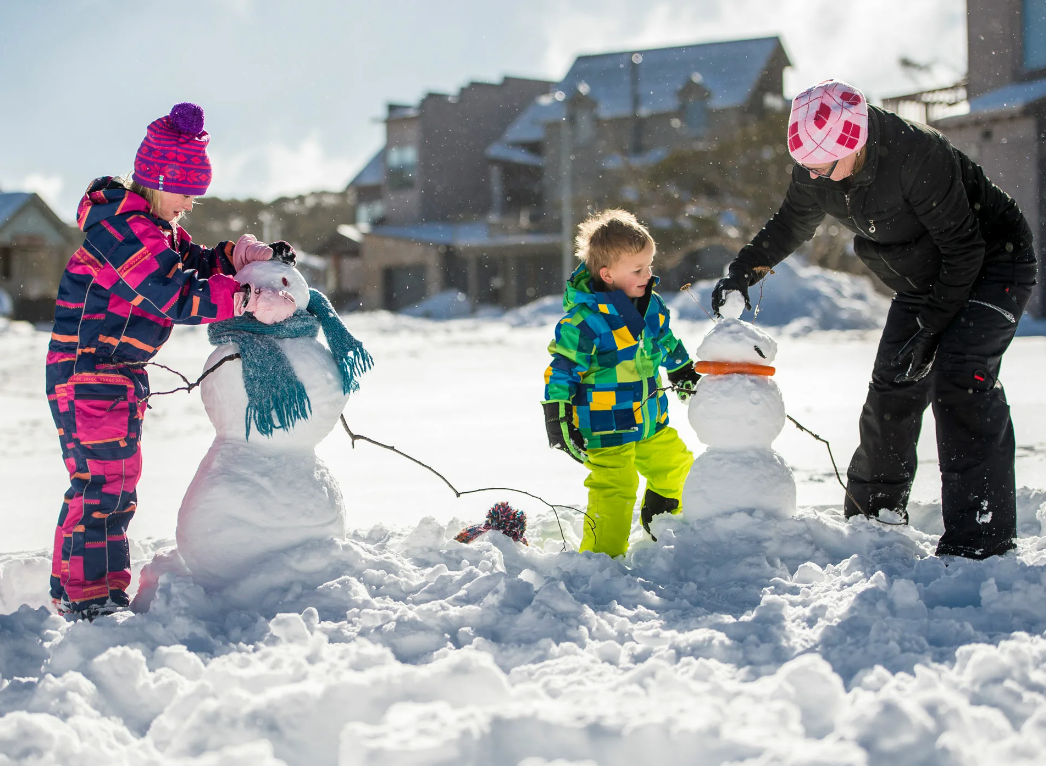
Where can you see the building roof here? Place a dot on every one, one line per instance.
(514, 154)
(1009, 97)
(11, 203)
(373, 173)
(475, 233)
(730, 71)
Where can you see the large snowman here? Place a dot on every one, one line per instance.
(256, 494)
(737, 410)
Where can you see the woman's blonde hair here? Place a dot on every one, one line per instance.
(606, 236)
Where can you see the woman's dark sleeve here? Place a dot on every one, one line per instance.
(793, 224)
(932, 185)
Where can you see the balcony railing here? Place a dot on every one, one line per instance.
(928, 106)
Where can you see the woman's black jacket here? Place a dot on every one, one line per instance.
(927, 219)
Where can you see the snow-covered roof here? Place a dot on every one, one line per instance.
(373, 173)
(730, 71)
(514, 154)
(1009, 97)
(460, 234)
(11, 203)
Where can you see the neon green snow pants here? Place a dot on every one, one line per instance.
(613, 485)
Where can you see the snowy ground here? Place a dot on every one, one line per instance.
(739, 640)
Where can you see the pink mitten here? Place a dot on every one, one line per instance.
(268, 306)
(247, 250)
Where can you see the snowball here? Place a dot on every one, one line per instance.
(736, 411)
(225, 398)
(732, 340)
(277, 275)
(723, 482)
(733, 305)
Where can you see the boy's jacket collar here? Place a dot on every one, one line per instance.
(579, 291)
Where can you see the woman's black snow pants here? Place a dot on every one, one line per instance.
(975, 441)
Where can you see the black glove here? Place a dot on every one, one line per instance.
(283, 252)
(562, 433)
(917, 356)
(684, 379)
(737, 278)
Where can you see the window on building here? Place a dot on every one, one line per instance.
(400, 165)
(584, 125)
(696, 117)
(1034, 34)
(368, 213)
(7, 261)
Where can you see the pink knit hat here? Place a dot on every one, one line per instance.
(173, 155)
(828, 122)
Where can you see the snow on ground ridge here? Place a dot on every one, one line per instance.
(807, 640)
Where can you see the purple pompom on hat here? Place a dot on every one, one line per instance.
(173, 155)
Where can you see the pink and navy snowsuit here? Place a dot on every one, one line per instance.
(133, 278)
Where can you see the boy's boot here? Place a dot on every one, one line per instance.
(653, 504)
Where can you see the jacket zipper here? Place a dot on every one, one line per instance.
(1004, 312)
(871, 230)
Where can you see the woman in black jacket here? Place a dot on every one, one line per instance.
(958, 253)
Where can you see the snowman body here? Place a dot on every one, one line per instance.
(738, 416)
(254, 497)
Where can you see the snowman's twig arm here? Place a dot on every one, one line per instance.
(389, 447)
(455, 490)
(838, 477)
(188, 386)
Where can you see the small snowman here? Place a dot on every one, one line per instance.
(261, 488)
(737, 411)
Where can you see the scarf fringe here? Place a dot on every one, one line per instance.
(352, 358)
(280, 408)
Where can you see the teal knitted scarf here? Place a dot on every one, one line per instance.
(275, 396)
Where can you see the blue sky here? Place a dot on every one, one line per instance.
(293, 91)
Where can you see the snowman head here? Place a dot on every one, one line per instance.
(278, 276)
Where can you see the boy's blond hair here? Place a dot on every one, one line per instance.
(606, 236)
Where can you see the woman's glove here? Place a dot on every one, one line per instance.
(248, 250)
(917, 355)
(737, 279)
(683, 380)
(268, 306)
(562, 433)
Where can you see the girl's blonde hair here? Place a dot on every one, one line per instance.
(606, 236)
(149, 195)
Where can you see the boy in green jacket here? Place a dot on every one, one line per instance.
(601, 404)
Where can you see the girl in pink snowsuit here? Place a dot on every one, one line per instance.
(136, 275)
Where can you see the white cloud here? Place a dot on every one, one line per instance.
(860, 41)
(278, 169)
(49, 187)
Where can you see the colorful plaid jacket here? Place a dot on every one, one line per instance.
(130, 281)
(605, 361)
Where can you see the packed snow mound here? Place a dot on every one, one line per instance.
(736, 411)
(761, 640)
(541, 312)
(800, 298)
(734, 340)
(449, 304)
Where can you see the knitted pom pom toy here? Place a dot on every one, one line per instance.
(187, 118)
(502, 517)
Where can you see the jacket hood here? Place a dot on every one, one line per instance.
(579, 291)
(105, 198)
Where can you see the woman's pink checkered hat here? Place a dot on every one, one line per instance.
(828, 122)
